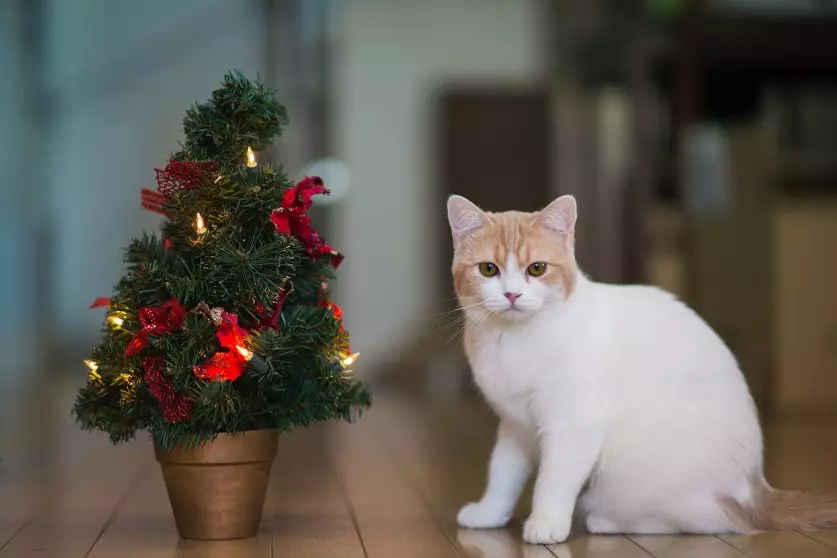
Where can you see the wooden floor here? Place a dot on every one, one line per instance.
(389, 487)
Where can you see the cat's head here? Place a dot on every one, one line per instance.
(513, 264)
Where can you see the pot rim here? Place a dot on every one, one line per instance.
(251, 446)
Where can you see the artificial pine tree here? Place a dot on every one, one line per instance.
(223, 324)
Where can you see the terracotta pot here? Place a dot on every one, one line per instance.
(217, 491)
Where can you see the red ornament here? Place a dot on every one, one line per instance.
(101, 302)
(176, 408)
(291, 218)
(153, 201)
(184, 175)
(223, 366)
(155, 321)
(167, 243)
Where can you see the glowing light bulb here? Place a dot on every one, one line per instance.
(246, 353)
(199, 226)
(251, 157)
(219, 179)
(349, 360)
(91, 365)
(115, 321)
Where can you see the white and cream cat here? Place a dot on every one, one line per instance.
(633, 411)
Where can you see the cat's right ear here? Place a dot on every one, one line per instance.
(464, 218)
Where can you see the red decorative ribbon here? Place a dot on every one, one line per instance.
(153, 201)
(291, 218)
(270, 319)
(176, 408)
(155, 321)
(101, 302)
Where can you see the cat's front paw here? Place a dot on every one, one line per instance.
(481, 515)
(546, 530)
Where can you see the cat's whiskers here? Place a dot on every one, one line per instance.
(474, 320)
(457, 309)
(459, 320)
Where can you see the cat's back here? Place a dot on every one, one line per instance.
(649, 327)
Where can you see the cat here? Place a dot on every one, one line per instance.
(633, 409)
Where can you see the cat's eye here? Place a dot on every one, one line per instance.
(536, 269)
(488, 269)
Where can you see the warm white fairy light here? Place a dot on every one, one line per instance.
(251, 157)
(349, 360)
(200, 228)
(94, 367)
(219, 178)
(243, 351)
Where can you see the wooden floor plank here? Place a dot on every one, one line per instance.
(256, 547)
(443, 469)
(400, 475)
(144, 526)
(686, 546)
(312, 519)
(828, 538)
(485, 543)
(777, 544)
(598, 546)
(72, 519)
(391, 516)
(25, 486)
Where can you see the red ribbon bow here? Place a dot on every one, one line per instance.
(162, 319)
(291, 218)
(226, 365)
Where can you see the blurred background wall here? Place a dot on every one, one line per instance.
(391, 60)
(698, 136)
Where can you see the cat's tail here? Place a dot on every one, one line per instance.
(784, 510)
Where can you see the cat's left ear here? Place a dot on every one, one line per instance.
(560, 216)
(464, 217)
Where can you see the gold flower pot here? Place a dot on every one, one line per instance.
(217, 491)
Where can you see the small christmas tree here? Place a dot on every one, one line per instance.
(223, 323)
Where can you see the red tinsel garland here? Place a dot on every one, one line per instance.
(175, 407)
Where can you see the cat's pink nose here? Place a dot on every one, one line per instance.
(513, 296)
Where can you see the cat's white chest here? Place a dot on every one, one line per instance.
(506, 369)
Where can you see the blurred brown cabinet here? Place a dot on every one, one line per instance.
(732, 259)
(805, 321)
